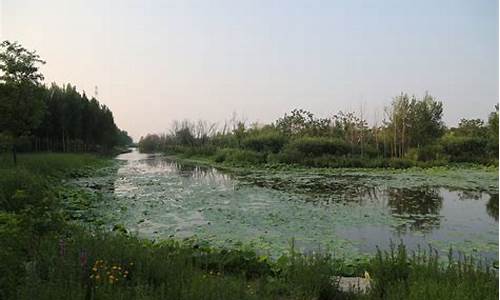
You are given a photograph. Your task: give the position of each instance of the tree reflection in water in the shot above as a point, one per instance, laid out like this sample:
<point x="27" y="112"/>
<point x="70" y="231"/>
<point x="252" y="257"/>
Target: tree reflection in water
<point x="420" y="206"/>
<point x="492" y="206"/>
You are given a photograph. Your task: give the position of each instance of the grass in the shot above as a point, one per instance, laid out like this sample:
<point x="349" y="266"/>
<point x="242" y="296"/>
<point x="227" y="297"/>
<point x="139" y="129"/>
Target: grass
<point x="44" y="257"/>
<point x="54" y="164"/>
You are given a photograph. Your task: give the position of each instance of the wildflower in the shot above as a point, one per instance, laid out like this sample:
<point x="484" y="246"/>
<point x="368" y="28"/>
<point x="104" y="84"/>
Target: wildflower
<point x="94" y="269"/>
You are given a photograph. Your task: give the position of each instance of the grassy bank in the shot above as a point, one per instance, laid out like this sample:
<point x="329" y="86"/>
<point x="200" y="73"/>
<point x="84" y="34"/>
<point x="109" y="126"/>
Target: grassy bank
<point x="45" y="256"/>
<point x="471" y="177"/>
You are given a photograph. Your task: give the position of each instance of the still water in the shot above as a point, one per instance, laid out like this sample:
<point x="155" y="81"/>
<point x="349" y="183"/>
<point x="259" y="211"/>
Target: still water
<point x="157" y="198"/>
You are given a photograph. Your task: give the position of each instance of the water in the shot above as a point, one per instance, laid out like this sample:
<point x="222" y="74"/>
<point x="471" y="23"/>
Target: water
<point x="158" y="198"/>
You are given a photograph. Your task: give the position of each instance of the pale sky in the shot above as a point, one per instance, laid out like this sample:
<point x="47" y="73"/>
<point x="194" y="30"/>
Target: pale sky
<point x="156" y="61"/>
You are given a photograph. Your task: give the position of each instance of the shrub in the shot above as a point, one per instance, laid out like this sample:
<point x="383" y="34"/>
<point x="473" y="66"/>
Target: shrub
<point x="19" y="189"/>
<point x="204" y="150"/>
<point x="240" y="156"/>
<point x="426" y="153"/>
<point x="317" y="146"/>
<point x="400" y="163"/>
<point x="465" y="149"/>
<point x="265" y="142"/>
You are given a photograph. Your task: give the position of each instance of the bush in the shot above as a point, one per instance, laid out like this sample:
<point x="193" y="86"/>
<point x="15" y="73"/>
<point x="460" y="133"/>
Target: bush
<point x="399" y="163"/>
<point x="12" y="239"/>
<point x="426" y="153"/>
<point x="19" y="189"/>
<point x="265" y="142"/>
<point x="240" y="156"/>
<point x="465" y="149"/>
<point x="317" y="146"/>
<point x="205" y="150"/>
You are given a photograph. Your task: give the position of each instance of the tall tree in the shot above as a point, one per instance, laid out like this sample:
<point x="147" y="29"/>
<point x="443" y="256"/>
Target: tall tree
<point x="21" y="105"/>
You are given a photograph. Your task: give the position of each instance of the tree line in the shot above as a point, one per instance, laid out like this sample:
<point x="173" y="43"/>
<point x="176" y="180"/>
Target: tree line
<point x="36" y="117"/>
<point x="411" y="132"/>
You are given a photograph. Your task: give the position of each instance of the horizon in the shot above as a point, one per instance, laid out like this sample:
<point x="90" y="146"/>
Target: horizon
<point x="193" y="60"/>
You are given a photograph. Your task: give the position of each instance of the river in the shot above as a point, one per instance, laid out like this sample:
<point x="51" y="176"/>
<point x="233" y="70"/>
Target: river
<point x="156" y="197"/>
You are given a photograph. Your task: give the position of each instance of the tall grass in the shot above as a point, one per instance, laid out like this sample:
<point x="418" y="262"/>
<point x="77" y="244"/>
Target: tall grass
<point x="421" y="275"/>
<point x="53" y="164"/>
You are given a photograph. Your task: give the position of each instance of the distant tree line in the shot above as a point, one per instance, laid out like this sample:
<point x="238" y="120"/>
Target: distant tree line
<point x="411" y="132"/>
<point x="34" y="117"/>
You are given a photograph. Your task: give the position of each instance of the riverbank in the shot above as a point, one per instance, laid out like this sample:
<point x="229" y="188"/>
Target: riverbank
<point x="47" y="256"/>
<point x="472" y="177"/>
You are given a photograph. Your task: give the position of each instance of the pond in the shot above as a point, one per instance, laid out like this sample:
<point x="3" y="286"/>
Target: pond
<point x="348" y="214"/>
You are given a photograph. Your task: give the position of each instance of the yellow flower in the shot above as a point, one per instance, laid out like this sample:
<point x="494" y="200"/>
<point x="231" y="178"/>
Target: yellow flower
<point x="94" y="269"/>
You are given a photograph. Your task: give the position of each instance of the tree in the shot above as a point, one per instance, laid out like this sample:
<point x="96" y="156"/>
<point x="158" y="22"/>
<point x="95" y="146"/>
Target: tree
<point x="414" y="122"/>
<point x="426" y="123"/>
<point x="21" y="106"/>
<point x="493" y="131"/>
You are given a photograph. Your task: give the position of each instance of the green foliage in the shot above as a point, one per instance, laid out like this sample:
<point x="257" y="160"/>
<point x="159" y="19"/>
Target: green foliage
<point x="240" y="156"/>
<point x="149" y="144"/>
<point x="21" y="105"/>
<point x="56" y="165"/>
<point x="35" y="117"/>
<point x="314" y="151"/>
<point x="413" y="135"/>
<point x="421" y="275"/>
<point x="464" y="148"/>
<point x="426" y="153"/>
<point x="20" y="189"/>
<point x="12" y="238"/>
<point x="315" y="146"/>
<point x="270" y="141"/>
<point x="62" y="261"/>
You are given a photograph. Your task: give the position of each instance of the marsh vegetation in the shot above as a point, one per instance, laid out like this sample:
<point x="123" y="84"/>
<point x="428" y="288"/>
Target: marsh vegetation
<point x="241" y="212"/>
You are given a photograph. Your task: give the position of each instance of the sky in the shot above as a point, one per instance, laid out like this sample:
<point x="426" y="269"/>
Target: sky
<point x="158" y="61"/>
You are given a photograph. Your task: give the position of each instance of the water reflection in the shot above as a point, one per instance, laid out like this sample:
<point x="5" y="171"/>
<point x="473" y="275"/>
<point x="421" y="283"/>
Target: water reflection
<point x="470" y="195"/>
<point x="492" y="206"/>
<point x="167" y="198"/>
<point x="188" y="171"/>
<point x="421" y="206"/>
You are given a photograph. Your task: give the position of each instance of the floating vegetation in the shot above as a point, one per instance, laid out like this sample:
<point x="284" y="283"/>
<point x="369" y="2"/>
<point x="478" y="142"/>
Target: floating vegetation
<point x="346" y="212"/>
